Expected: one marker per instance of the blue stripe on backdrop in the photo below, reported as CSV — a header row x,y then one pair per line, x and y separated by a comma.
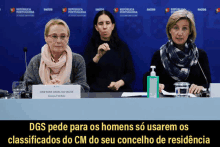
x,y
144,33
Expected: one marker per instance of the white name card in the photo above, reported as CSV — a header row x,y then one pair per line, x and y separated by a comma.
x,y
214,89
56,92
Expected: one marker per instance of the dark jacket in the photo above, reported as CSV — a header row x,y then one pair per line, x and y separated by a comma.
x,y
116,64
195,75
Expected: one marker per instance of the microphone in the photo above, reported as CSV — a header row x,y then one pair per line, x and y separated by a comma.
x,y
26,93
3,93
206,93
25,51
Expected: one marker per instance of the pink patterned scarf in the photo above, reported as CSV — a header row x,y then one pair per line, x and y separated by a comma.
x,y
51,71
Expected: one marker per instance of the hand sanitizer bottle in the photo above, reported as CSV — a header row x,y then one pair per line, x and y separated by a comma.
x,y
153,84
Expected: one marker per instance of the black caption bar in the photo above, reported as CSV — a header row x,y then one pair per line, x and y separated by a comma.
x,y
152,133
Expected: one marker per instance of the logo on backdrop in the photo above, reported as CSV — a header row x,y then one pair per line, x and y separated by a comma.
x,y
12,10
151,9
214,20
76,12
128,12
116,10
201,9
99,9
167,10
64,10
48,9
22,12
172,10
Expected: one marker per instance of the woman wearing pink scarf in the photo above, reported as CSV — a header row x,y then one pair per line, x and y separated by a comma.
x,y
57,64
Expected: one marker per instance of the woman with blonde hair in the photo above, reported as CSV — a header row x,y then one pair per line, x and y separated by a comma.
x,y
57,64
179,59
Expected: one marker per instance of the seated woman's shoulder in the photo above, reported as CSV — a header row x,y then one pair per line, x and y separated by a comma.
x,y
122,43
202,52
77,56
36,57
156,53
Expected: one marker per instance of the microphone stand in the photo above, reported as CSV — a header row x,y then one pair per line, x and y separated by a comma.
x,y
204,93
26,94
25,51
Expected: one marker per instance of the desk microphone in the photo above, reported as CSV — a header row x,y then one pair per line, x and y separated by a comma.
x,y
3,93
26,93
25,54
206,94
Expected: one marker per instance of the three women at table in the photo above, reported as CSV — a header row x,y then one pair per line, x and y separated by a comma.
x,y
57,64
179,58
109,62
108,59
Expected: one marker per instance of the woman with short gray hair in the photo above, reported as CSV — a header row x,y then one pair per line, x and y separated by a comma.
x,y
178,60
57,64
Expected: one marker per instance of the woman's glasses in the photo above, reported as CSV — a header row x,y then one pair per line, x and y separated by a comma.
x,y
55,37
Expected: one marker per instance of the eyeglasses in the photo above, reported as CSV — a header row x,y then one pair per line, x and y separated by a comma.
x,y
55,37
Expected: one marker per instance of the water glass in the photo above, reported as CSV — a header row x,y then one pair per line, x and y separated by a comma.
x,y
17,88
181,89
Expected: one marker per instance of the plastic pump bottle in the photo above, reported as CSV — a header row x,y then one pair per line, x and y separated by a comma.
x,y
153,84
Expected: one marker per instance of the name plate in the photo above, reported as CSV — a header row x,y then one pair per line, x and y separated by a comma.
x,y
214,89
56,92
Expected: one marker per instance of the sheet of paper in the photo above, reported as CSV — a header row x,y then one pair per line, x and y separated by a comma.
x,y
173,93
191,95
168,93
133,94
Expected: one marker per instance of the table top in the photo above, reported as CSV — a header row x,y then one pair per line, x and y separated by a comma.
x,y
96,95
112,108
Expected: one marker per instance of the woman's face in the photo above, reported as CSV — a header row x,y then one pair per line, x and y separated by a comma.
x,y
104,27
57,38
180,32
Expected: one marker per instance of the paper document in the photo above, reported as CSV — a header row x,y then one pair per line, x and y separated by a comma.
x,y
133,94
174,94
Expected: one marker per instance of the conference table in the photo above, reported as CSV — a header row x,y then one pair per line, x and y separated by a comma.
x,y
111,106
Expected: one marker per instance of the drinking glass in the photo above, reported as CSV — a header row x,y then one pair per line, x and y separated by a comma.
x,y
181,89
17,88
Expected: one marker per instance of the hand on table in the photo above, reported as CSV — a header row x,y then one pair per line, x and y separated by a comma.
x,y
195,89
161,87
53,82
116,85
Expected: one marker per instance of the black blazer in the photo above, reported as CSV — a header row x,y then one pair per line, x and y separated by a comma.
x,y
195,75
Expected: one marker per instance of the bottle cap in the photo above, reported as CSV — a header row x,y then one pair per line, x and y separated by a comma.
x,y
153,73
152,66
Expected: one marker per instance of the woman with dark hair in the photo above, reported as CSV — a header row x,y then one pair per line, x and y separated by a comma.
x,y
108,59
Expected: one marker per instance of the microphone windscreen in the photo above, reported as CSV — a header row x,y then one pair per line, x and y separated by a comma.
x,y
25,49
